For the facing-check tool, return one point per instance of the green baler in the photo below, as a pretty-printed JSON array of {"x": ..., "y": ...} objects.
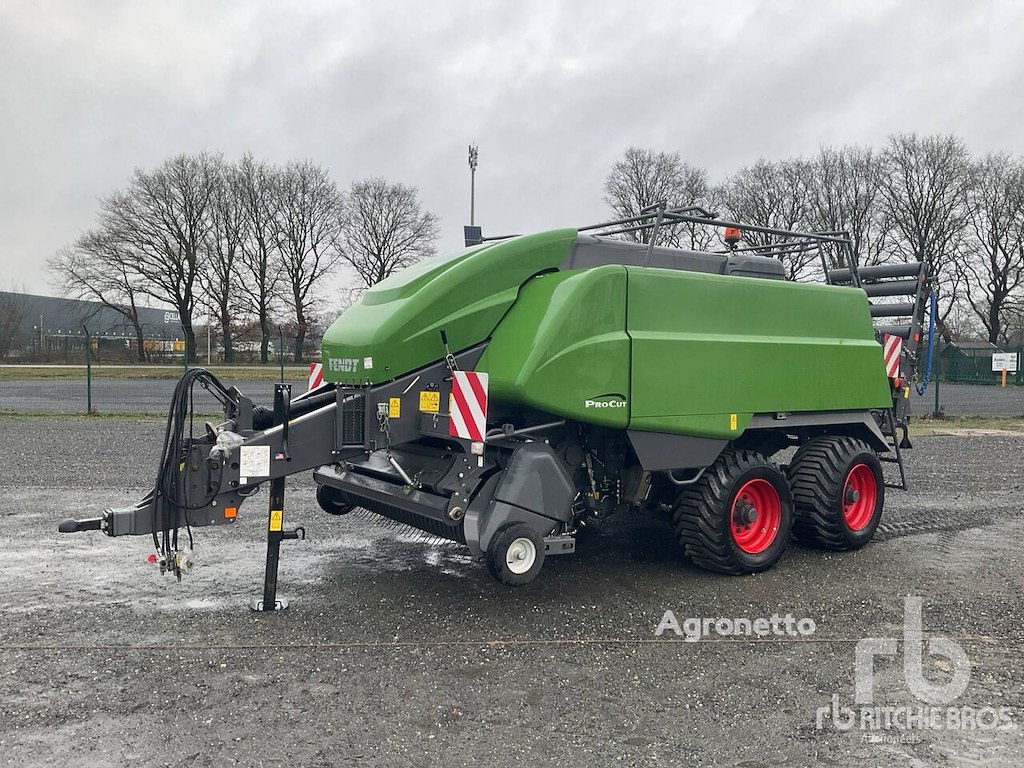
[{"x": 507, "y": 395}]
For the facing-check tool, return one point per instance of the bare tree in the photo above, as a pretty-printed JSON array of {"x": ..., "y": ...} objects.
[
  {"x": 308, "y": 229},
  {"x": 845, "y": 196},
  {"x": 222, "y": 261},
  {"x": 98, "y": 268},
  {"x": 643, "y": 177},
  {"x": 961, "y": 322},
  {"x": 774, "y": 195},
  {"x": 383, "y": 228},
  {"x": 924, "y": 190},
  {"x": 162, "y": 219},
  {"x": 1011, "y": 325},
  {"x": 260, "y": 263},
  {"x": 12, "y": 315},
  {"x": 994, "y": 264}
]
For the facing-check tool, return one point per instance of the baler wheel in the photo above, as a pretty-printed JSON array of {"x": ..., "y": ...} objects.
[
  {"x": 330, "y": 502},
  {"x": 838, "y": 492},
  {"x": 736, "y": 519},
  {"x": 515, "y": 554}
]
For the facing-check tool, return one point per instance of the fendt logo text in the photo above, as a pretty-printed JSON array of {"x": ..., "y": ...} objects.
[{"x": 343, "y": 364}]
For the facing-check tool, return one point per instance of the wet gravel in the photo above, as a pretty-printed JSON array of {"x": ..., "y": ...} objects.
[{"x": 397, "y": 651}]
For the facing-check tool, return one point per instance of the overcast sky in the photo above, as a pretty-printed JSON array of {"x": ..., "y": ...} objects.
[{"x": 552, "y": 92}]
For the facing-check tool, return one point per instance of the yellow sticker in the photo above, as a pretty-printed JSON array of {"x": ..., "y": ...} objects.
[
  {"x": 395, "y": 408},
  {"x": 430, "y": 401},
  {"x": 732, "y": 421},
  {"x": 276, "y": 519},
  {"x": 906, "y": 392}
]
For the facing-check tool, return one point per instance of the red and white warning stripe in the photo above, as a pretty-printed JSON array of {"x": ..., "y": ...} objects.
[
  {"x": 892, "y": 347},
  {"x": 468, "y": 406},
  {"x": 316, "y": 375}
]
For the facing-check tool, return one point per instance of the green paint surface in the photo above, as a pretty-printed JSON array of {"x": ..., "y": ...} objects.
[{"x": 644, "y": 348}]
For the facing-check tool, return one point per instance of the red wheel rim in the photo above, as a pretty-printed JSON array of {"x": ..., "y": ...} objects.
[
  {"x": 756, "y": 516},
  {"x": 860, "y": 494}
]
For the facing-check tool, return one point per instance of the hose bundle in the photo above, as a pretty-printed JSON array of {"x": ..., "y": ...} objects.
[{"x": 170, "y": 496}]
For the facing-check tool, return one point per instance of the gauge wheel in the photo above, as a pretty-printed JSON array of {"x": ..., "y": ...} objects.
[{"x": 515, "y": 554}]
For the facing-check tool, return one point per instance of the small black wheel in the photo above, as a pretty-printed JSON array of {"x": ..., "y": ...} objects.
[
  {"x": 330, "y": 501},
  {"x": 737, "y": 518},
  {"x": 515, "y": 554},
  {"x": 838, "y": 493}
]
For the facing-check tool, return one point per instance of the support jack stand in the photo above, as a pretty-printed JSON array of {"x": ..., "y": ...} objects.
[
  {"x": 275, "y": 526},
  {"x": 275, "y": 535}
]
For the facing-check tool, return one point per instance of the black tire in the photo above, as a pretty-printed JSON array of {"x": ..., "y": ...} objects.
[
  {"x": 826, "y": 512},
  {"x": 330, "y": 501},
  {"x": 509, "y": 543},
  {"x": 705, "y": 512}
]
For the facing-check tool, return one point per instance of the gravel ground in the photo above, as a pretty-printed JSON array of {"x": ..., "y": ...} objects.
[{"x": 400, "y": 652}]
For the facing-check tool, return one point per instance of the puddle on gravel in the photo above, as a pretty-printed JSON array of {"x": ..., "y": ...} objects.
[{"x": 42, "y": 570}]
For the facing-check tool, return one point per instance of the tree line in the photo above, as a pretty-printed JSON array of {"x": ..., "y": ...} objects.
[
  {"x": 249, "y": 243},
  {"x": 917, "y": 198},
  {"x": 246, "y": 243}
]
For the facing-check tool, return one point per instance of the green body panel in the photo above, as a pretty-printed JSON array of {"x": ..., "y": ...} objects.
[
  {"x": 563, "y": 343},
  {"x": 651, "y": 349},
  {"x": 706, "y": 347},
  {"x": 396, "y": 325}
]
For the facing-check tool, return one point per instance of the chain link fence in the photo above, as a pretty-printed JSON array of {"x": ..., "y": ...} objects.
[
  {"x": 950, "y": 399},
  {"x": 130, "y": 390},
  {"x": 963, "y": 383}
]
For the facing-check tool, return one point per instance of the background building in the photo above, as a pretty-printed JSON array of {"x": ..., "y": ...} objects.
[{"x": 46, "y": 328}]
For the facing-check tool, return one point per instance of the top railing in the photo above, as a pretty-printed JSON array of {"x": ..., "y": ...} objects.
[{"x": 653, "y": 217}]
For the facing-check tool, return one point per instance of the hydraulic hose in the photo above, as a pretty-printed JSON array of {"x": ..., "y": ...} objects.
[{"x": 932, "y": 310}]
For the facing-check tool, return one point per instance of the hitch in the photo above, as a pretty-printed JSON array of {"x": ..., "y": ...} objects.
[{"x": 75, "y": 526}]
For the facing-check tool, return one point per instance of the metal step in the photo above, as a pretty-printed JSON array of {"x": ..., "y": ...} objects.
[{"x": 890, "y": 432}]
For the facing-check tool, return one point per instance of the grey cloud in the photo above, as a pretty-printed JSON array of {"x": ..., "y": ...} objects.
[{"x": 552, "y": 92}]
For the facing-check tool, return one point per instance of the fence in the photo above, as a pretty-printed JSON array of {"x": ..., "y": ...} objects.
[
  {"x": 131, "y": 390},
  {"x": 964, "y": 384},
  {"x": 974, "y": 365},
  {"x": 161, "y": 346}
]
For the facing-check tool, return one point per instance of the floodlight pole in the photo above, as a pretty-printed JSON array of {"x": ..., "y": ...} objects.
[{"x": 473, "y": 155}]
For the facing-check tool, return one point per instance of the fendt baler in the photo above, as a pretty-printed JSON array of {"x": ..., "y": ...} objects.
[{"x": 503, "y": 396}]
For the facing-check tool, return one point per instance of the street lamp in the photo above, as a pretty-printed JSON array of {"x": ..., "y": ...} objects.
[{"x": 473, "y": 155}]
